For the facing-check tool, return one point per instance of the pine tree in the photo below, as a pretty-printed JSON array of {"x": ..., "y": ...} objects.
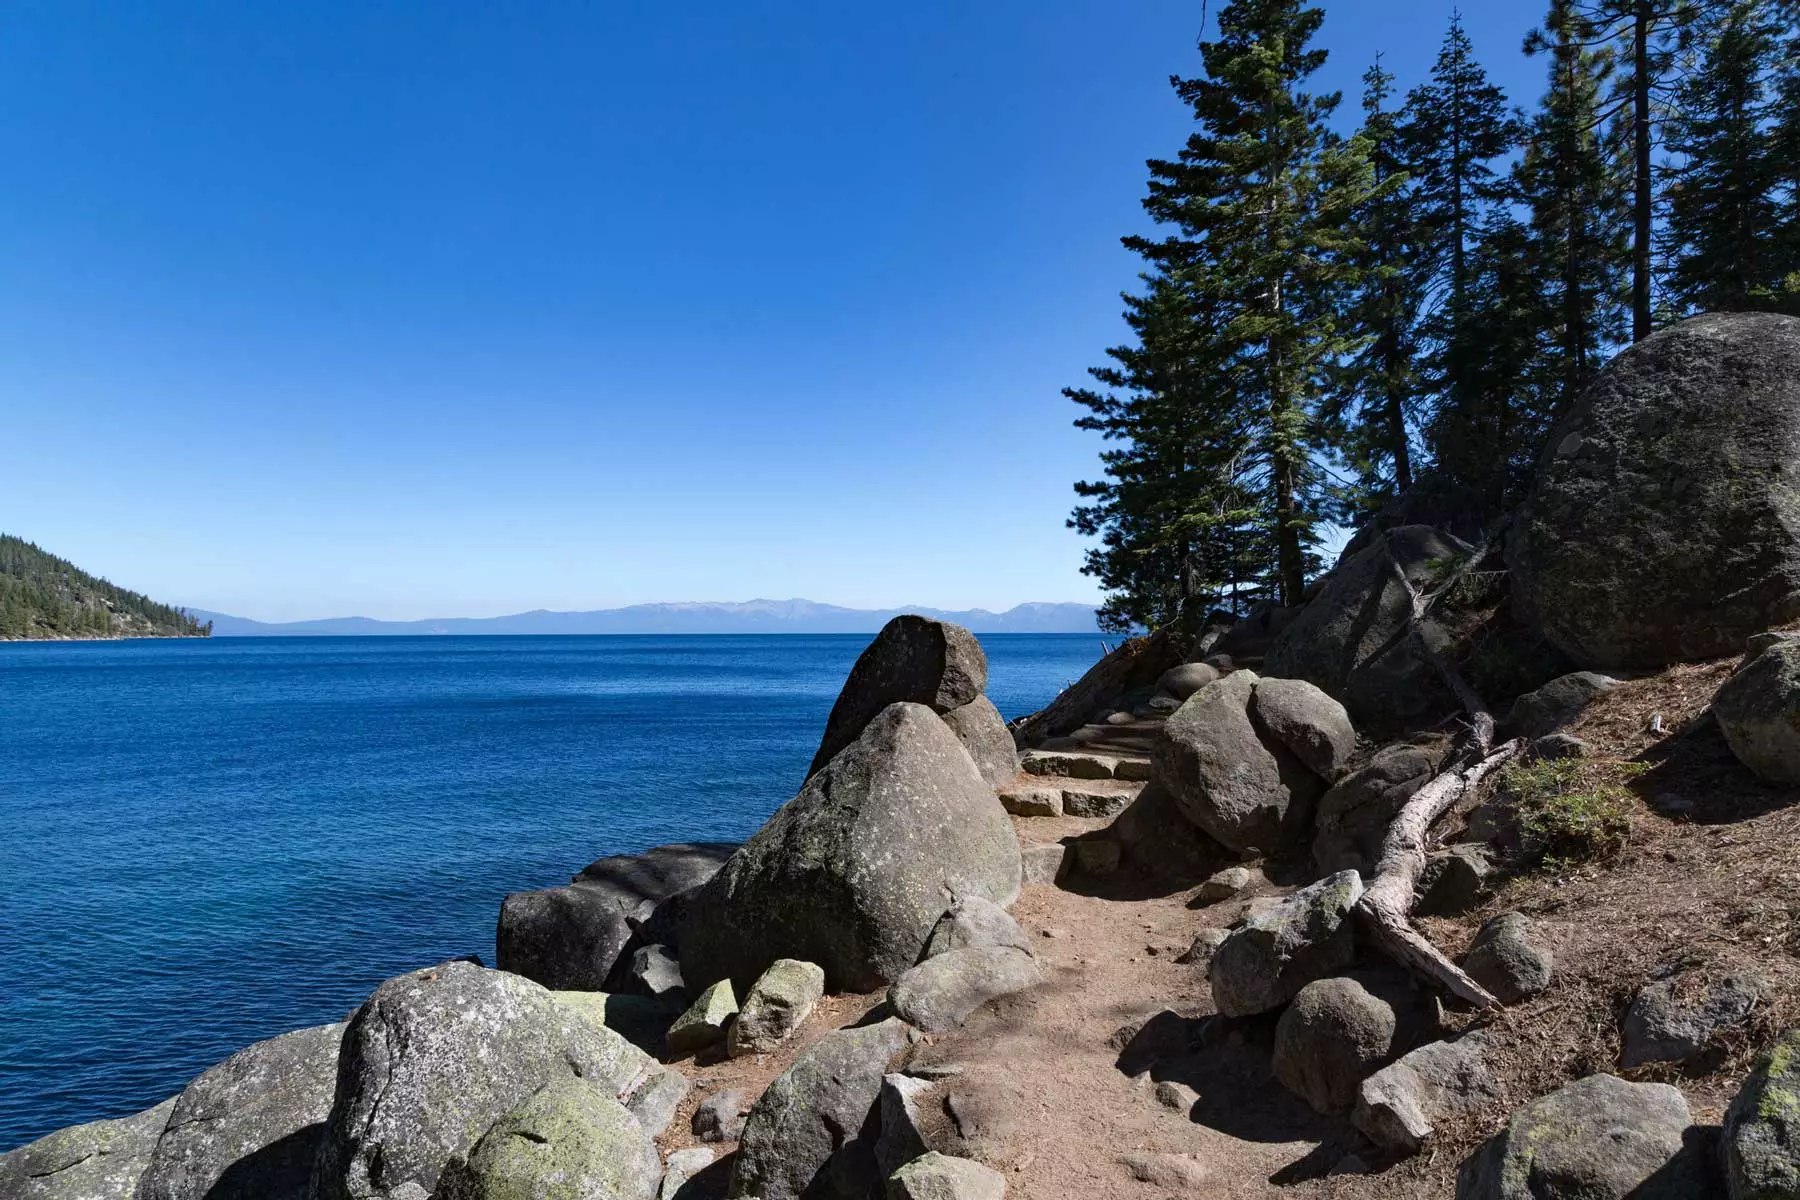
[
  {"x": 1722, "y": 201},
  {"x": 1784, "y": 152}
]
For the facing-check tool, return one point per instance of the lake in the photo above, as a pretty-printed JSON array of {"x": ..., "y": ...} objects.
[{"x": 212, "y": 842}]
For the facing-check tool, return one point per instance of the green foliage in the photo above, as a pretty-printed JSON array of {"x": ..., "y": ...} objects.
[
  {"x": 1570, "y": 811},
  {"x": 42, "y": 596}
]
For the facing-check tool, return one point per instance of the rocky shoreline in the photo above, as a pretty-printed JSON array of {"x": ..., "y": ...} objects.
[{"x": 1287, "y": 901}]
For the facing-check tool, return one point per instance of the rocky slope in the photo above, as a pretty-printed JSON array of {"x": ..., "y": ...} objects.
[{"x": 46, "y": 597}]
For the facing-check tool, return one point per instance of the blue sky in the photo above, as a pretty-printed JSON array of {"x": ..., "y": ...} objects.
[{"x": 409, "y": 309}]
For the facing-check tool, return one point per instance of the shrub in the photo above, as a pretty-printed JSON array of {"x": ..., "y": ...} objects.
[{"x": 1570, "y": 811}]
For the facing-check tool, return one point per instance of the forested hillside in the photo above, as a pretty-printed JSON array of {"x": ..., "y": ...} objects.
[
  {"x": 1335, "y": 313},
  {"x": 43, "y": 596}
]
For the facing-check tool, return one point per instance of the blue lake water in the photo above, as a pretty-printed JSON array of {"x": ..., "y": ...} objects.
[{"x": 207, "y": 843}]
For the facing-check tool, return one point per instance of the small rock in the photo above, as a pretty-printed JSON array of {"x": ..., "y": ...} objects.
[
  {"x": 975, "y": 921},
  {"x": 1228, "y": 884},
  {"x": 1032, "y": 801},
  {"x": 1400, "y": 1106},
  {"x": 1097, "y": 856},
  {"x": 682, "y": 1166},
  {"x": 940, "y": 993},
  {"x": 1161, "y": 704},
  {"x": 1508, "y": 960},
  {"x": 780, "y": 1000},
  {"x": 1453, "y": 880},
  {"x": 1761, "y": 1142},
  {"x": 1557, "y": 702},
  {"x": 902, "y": 1137},
  {"x": 655, "y": 971},
  {"x": 702, "y": 1026},
  {"x": 1313, "y": 726},
  {"x": 1263, "y": 965},
  {"x": 1119, "y": 718},
  {"x": 720, "y": 1118},
  {"x": 1553, "y": 746},
  {"x": 1758, "y": 710},
  {"x": 1183, "y": 681},
  {"x": 940, "y": 1177},
  {"x": 1339, "y": 1031},
  {"x": 1172, "y": 1172},
  {"x": 1661, "y": 1027},
  {"x": 1206, "y": 943},
  {"x": 1078, "y": 803},
  {"x": 1177, "y": 1096},
  {"x": 1043, "y": 865}
]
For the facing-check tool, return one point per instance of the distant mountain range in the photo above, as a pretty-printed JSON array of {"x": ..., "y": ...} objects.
[{"x": 754, "y": 616}]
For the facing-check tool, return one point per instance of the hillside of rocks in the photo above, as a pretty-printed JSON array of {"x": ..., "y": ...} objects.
[{"x": 1473, "y": 875}]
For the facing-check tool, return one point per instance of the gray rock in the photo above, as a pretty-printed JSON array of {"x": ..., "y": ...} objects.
[
  {"x": 572, "y": 937},
  {"x": 1097, "y": 856},
  {"x": 1226, "y": 780},
  {"x": 1557, "y": 703},
  {"x": 1030, "y": 800},
  {"x": 1179, "y": 1174},
  {"x": 1069, "y": 764},
  {"x": 1758, "y": 710},
  {"x": 704, "y": 1023},
  {"x": 1340, "y": 1030},
  {"x": 854, "y": 871},
  {"x": 940, "y": 993},
  {"x": 1661, "y": 526},
  {"x": 1454, "y": 880},
  {"x": 940, "y": 1177},
  {"x": 913, "y": 660},
  {"x": 811, "y": 1134},
  {"x": 1756, "y": 643},
  {"x": 1043, "y": 864},
  {"x": 1186, "y": 679},
  {"x": 1599, "y": 1138},
  {"x": 682, "y": 1166},
  {"x": 1228, "y": 884},
  {"x": 1353, "y": 817},
  {"x": 981, "y": 729},
  {"x": 434, "y": 1058},
  {"x": 1508, "y": 959},
  {"x": 249, "y": 1128},
  {"x": 656, "y": 972},
  {"x": 1176, "y": 1097},
  {"x": 1761, "y": 1142},
  {"x": 973, "y": 921},
  {"x": 1200, "y": 951},
  {"x": 1265, "y": 963},
  {"x": 1313, "y": 726},
  {"x": 569, "y": 1138},
  {"x": 1351, "y": 639},
  {"x": 1664, "y": 1025},
  {"x": 902, "y": 1136},
  {"x": 779, "y": 1002},
  {"x": 720, "y": 1118},
  {"x": 1557, "y": 745},
  {"x": 1081, "y": 802},
  {"x": 642, "y": 1020},
  {"x": 102, "y": 1160},
  {"x": 1133, "y": 770},
  {"x": 1400, "y": 1106}
]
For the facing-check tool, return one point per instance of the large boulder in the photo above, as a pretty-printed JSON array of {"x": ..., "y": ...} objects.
[
  {"x": 1400, "y": 1106},
  {"x": 1663, "y": 524},
  {"x": 1353, "y": 817},
  {"x": 1761, "y": 1142},
  {"x": 573, "y": 936},
  {"x": 571, "y": 1139},
  {"x": 1340, "y": 1030},
  {"x": 434, "y": 1058},
  {"x": 1249, "y": 792},
  {"x": 1599, "y": 1138},
  {"x": 249, "y": 1128},
  {"x": 811, "y": 1133},
  {"x": 981, "y": 729},
  {"x": 853, "y": 873},
  {"x": 1758, "y": 710},
  {"x": 1351, "y": 639},
  {"x": 1311, "y": 725},
  {"x": 1264, "y": 963},
  {"x": 781, "y": 1000},
  {"x": 1557, "y": 703},
  {"x": 972, "y": 921},
  {"x": 914, "y": 660},
  {"x": 102, "y": 1160}
]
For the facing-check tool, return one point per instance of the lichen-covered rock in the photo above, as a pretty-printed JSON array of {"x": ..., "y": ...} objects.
[
  {"x": 570, "y": 1140},
  {"x": 1350, "y": 639},
  {"x": 937, "y": 1176},
  {"x": 1666, "y": 1024},
  {"x": 1509, "y": 959},
  {"x": 1761, "y": 1142},
  {"x": 939, "y": 994},
  {"x": 780, "y": 1000},
  {"x": 1599, "y": 1138},
  {"x": 435, "y": 1057},
  {"x": 981, "y": 729},
  {"x": 1249, "y": 795},
  {"x": 1400, "y": 1106},
  {"x": 102, "y": 1160},
  {"x": 853, "y": 872},
  {"x": 1758, "y": 710},
  {"x": 1264, "y": 963},
  {"x": 642, "y": 1020},
  {"x": 811, "y": 1134},
  {"x": 973, "y": 921},
  {"x": 249, "y": 1128},
  {"x": 913, "y": 660},
  {"x": 1340, "y": 1030},
  {"x": 704, "y": 1023},
  {"x": 1311, "y": 725},
  {"x": 1663, "y": 524},
  {"x": 1558, "y": 702},
  {"x": 572, "y": 936}
]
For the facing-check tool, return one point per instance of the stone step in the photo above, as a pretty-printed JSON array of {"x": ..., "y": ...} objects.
[
  {"x": 1083, "y": 764},
  {"x": 1047, "y": 796}
]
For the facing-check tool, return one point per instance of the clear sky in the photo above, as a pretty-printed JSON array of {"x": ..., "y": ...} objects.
[{"x": 426, "y": 309}]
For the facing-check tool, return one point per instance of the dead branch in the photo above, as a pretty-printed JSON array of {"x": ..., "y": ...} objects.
[{"x": 1481, "y": 721}]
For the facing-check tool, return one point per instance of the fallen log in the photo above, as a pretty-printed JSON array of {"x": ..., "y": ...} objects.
[{"x": 1385, "y": 910}]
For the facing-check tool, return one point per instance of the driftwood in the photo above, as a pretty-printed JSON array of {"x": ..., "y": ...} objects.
[{"x": 1385, "y": 909}]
